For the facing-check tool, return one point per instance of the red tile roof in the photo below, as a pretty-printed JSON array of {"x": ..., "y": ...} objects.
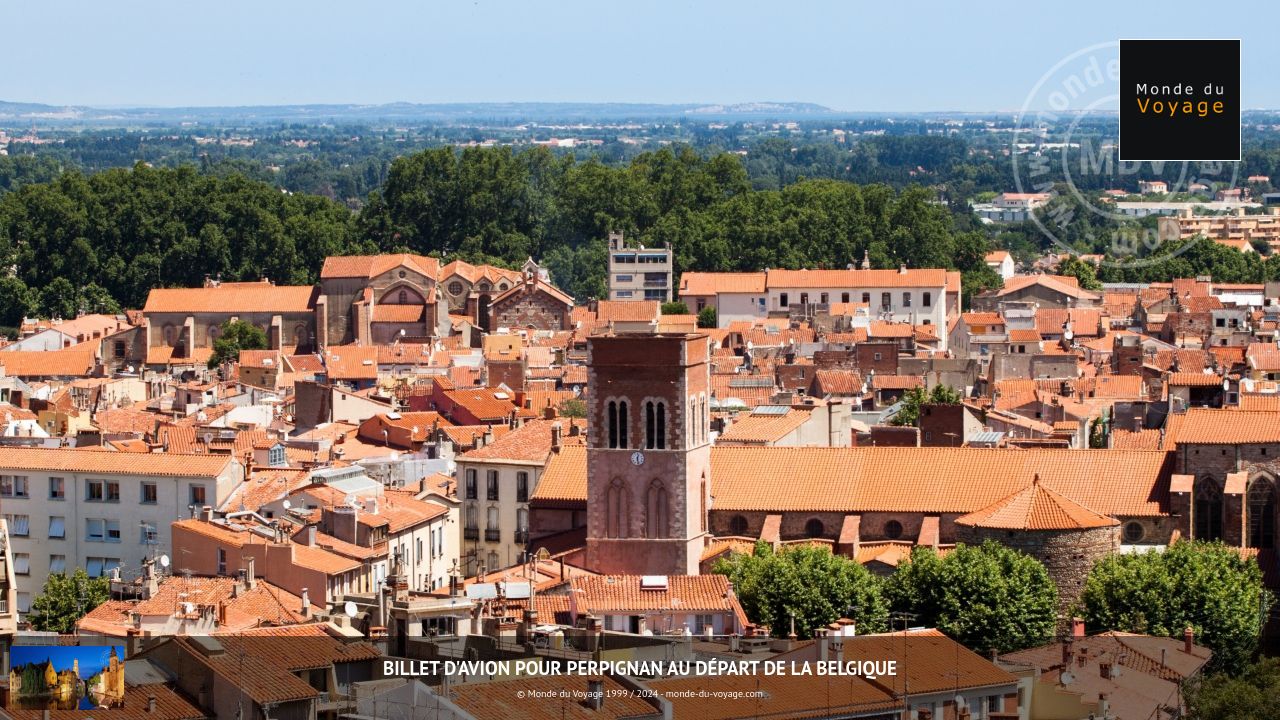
[
  {"x": 85, "y": 461},
  {"x": 368, "y": 266},
  {"x": 785, "y": 279},
  {"x": 529, "y": 443},
  {"x": 1036, "y": 507},
  {"x": 613, "y": 594},
  {"x": 1209, "y": 426},
  {"x": 75, "y": 361},
  {"x": 700, "y": 283},
  {"x": 247, "y": 297}
]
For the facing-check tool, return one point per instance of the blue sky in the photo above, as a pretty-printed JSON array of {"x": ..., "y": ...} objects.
[{"x": 855, "y": 56}]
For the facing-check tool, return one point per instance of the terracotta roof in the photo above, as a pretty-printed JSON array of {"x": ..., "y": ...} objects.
[
  {"x": 1194, "y": 379},
  {"x": 1085, "y": 322},
  {"x": 84, "y": 461},
  {"x": 611, "y": 594},
  {"x": 530, "y": 286},
  {"x": 1062, "y": 284},
  {"x": 881, "y": 329},
  {"x": 75, "y": 361},
  {"x": 505, "y": 699},
  {"x": 887, "y": 479},
  {"x": 1024, "y": 335},
  {"x": 232, "y": 298},
  {"x": 982, "y": 318},
  {"x": 1036, "y": 507},
  {"x": 706, "y": 283},
  {"x": 997, "y": 256},
  {"x": 1209, "y": 426},
  {"x": 351, "y": 362},
  {"x": 465, "y": 435},
  {"x": 837, "y": 382},
  {"x": 1259, "y": 403},
  {"x": 927, "y": 278},
  {"x": 757, "y": 429},
  {"x": 367, "y": 266},
  {"x": 628, "y": 310},
  {"x": 1139, "y": 440},
  {"x": 126, "y": 420},
  {"x": 392, "y": 313},
  {"x": 483, "y": 403},
  {"x": 896, "y": 382},
  {"x": 531, "y": 442}
]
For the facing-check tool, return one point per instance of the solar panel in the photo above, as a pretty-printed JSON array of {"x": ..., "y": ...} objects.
[
  {"x": 771, "y": 410},
  {"x": 482, "y": 591},
  {"x": 516, "y": 590}
]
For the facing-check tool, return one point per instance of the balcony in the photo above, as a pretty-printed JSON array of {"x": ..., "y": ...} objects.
[
  {"x": 492, "y": 535},
  {"x": 522, "y": 537},
  {"x": 471, "y": 533}
]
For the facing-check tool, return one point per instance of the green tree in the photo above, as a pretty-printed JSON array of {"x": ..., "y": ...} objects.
[
  {"x": 59, "y": 299},
  {"x": 1085, "y": 272},
  {"x": 1208, "y": 587},
  {"x": 913, "y": 399},
  {"x": 987, "y": 597},
  {"x": 809, "y": 585},
  {"x": 573, "y": 408},
  {"x": 66, "y": 598},
  {"x": 707, "y": 318},
  {"x": 675, "y": 308},
  {"x": 1252, "y": 695},
  {"x": 16, "y": 301},
  {"x": 236, "y": 335}
]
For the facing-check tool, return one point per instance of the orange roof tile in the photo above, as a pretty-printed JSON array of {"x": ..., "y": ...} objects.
[
  {"x": 886, "y": 479},
  {"x": 247, "y": 297},
  {"x": 1135, "y": 440},
  {"x": 1210, "y": 426},
  {"x": 392, "y": 313},
  {"x": 628, "y": 310},
  {"x": 604, "y": 594},
  {"x": 1065, "y": 285},
  {"x": 367, "y": 266},
  {"x": 75, "y": 361},
  {"x": 928, "y": 277},
  {"x": 84, "y": 461},
  {"x": 1036, "y": 507},
  {"x": 351, "y": 362},
  {"x": 707, "y": 283},
  {"x": 757, "y": 429},
  {"x": 529, "y": 443}
]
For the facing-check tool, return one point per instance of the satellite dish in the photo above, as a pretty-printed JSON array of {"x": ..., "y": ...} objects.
[
  {"x": 350, "y": 609},
  {"x": 164, "y": 561},
  {"x": 187, "y": 608},
  {"x": 1068, "y": 334},
  {"x": 286, "y": 504}
]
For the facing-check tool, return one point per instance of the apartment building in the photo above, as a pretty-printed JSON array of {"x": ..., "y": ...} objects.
[
  {"x": 100, "y": 510},
  {"x": 639, "y": 273},
  {"x": 1235, "y": 229}
]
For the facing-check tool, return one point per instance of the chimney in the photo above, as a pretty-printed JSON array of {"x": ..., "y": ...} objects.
[
  {"x": 1077, "y": 627},
  {"x": 306, "y": 604},
  {"x": 549, "y": 412},
  {"x": 206, "y": 513},
  {"x": 555, "y": 437},
  {"x": 222, "y": 618},
  {"x": 311, "y": 536},
  {"x": 1067, "y": 652},
  {"x": 1188, "y": 639},
  {"x": 250, "y": 581},
  {"x": 373, "y": 506},
  {"x": 1104, "y": 707},
  {"x": 595, "y": 694},
  {"x": 151, "y": 704},
  {"x": 820, "y": 635},
  {"x": 902, "y": 269}
]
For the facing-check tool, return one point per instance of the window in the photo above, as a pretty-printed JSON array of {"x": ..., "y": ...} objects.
[
  {"x": 19, "y": 525},
  {"x": 866, "y": 298},
  {"x": 906, "y": 299},
  {"x": 624, "y": 293},
  {"x": 886, "y": 300},
  {"x": 491, "y": 484},
  {"x": 196, "y": 493},
  {"x": 1208, "y": 509},
  {"x": 113, "y": 530},
  {"x": 893, "y": 529},
  {"x": 655, "y": 425},
  {"x": 814, "y": 528},
  {"x": 493, "y": 560},
  {"x": 1261, "y": 509},
  {"x": 623, "y": 278},
  {"x": 119, "y": 348},
  {"x": 822, "y": 298},
  {"x": 57, "y": 527},
  {"x": 222, "y": 561},
  {"x": 13, "y": 486},
  {"x": 471, "y": 517},
  {"x": 1134, "y": 532},
  {"x": 21, "y": 564},
  {"x": 471, "y": 485},
  {"x": 148, "y": 493},
  {"x": 616, "y": 520},
  {"x": 783, "y": 300},
  {"x": 57, "y": 488},
  {"x": 737, "y": 525},
  {"x": 927, "y": 301},
  {"x": 804, "y": 298},
  {"x": 419, "y": 555},
  {"x": 522, "y": 487},
  {"x": 93, "y": 490},
  {"x": 617, "y": 421},
  {"x": 657, "y": 518},
  {"x": 844, "y": 297},
  {"x": 149, "y": 535},
  {"x": 113, "y": 491},
  {"x": 94, "y": 529},
  {"x": 57, "y": 564},
  {"x": 276, "y": 455}
]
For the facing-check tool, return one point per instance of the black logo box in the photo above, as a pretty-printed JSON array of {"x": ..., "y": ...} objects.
[{"x": 1189, "y": 65}]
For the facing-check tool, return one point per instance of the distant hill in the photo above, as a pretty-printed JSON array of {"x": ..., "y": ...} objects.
[{"x": 17, "y": 113}]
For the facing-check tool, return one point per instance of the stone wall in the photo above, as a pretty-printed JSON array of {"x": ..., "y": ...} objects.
[{"x": 1068, "y": 555}]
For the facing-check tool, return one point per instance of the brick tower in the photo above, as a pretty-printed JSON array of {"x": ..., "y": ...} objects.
[{"x": 648, "y": 453}]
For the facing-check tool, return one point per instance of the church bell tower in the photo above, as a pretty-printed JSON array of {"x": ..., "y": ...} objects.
[{"x": 648, "y": 453}]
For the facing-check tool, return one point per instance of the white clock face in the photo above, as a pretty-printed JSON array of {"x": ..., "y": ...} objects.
[{"x": 637, "y": 458}]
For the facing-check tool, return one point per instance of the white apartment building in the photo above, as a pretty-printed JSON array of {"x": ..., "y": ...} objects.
[
  {"x": 639, "y": 273},
  {"x": 495, "y": 483},
  {"x": 69, "y": 509}
]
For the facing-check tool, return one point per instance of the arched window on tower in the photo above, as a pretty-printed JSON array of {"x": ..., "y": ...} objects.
[
  {"x": 655, "y": 425},
  {"x": 616, "y": 510},
  {"x": 1208, "y": 509},
  {"x": 611, "y": 410},
  {"x": 657, "y": 517},
  {"x": 1262, "y": 512},
  {"x": 624, "y": 439}
]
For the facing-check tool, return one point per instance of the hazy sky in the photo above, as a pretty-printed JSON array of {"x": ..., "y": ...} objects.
[{"x": 905, "y": 55}]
